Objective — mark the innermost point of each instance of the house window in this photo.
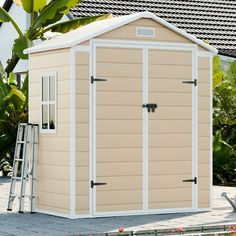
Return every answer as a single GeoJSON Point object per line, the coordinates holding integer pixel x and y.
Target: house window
{"type": "Point", "coordinates": [48, 103]}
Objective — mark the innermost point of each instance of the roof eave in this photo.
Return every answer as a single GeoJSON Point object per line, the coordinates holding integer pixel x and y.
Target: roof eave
{"type": "Point", "coordinates": [130, 19]}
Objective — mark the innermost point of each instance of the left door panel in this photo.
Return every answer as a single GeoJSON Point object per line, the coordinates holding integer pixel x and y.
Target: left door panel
{"type": "Point", "coordinates": [118, 130]}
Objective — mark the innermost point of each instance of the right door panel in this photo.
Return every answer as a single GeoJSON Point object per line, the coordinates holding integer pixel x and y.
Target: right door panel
{"type": "Point", "coordinates": [170, 130]}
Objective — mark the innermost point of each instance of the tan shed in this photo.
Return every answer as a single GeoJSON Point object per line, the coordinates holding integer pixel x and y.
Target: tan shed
{"type": "Point", "coordinates": [124, 107]}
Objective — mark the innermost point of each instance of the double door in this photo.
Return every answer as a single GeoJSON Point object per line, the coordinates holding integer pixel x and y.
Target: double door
{"type": "Point", "coordinates": [143, 130]}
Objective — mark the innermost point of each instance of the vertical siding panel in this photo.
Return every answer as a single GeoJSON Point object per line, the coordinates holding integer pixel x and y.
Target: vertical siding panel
{"type": "Point", "coordinates": [204, 132]}
{"type": "Point", "coordinates": [82, 141]}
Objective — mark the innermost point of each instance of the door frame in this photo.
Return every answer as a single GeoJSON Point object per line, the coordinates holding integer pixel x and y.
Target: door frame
{"type": "Point", "coordinates": [145, 46]}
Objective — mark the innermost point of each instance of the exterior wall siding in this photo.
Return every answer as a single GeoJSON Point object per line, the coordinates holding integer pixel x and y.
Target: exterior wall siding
{"type": "Point", "coordinates": [82, 129]}
{"type": "Point", "coordinates": [204, 132]}
{"type": "Point", "coordinates": [128, 32]}
{"type": "Point", "coordinates": [53, 173]}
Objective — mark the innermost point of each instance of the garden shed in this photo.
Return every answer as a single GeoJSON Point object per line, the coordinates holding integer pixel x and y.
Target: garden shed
{"type": "Point", "coordinates": [124, 107]}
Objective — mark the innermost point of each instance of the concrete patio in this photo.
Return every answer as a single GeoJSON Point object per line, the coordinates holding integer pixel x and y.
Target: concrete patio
{"type": "Point", "coordinates": [15, 224]}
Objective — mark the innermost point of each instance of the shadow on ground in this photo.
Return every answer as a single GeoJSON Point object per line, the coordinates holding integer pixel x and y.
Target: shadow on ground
{"type": "Point", "coordinates": [4, 180]}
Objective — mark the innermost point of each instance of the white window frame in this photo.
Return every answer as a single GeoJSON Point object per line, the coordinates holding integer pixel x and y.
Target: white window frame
{"type": "Point", "coordinates": [48, 74]}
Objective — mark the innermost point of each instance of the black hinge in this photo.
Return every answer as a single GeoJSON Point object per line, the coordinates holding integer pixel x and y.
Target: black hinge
{"type": "Point", "coordinates": [92, 184]}
{"type": "Point", "coordinates": [191, 82]}
{"type": "Point", "coordinates": [96, 79]}
{"type": "Point", "coordinates": [191, 180]}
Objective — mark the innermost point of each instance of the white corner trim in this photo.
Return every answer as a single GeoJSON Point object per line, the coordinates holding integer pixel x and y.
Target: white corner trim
{"type": "Point", "coordinates": [91, 61]}
{"type": "Point", "coordinates": [72, 132]}
{"type": "Point", "coordinates": [211, 132]}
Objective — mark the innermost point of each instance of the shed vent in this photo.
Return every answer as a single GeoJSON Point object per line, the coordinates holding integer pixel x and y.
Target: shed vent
{"type": "Point", "coordinates": [145, 32]}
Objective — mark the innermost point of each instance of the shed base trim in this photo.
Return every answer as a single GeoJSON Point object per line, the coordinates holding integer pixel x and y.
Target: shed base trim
{"type": "Point", "coordinates": [128, 213]}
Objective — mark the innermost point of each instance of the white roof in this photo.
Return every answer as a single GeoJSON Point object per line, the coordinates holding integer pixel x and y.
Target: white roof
{"type": "Point", "coordinates": [97, 28]}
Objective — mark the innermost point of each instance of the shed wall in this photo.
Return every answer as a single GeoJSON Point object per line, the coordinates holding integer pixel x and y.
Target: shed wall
{"type": "Point", "coordinates": [128, 32]}
{"type": "Point", "coordinates": [204, 131]}
{"type": "Point", "coordinates": [82, 129]}
{"type": "Point", "coordinates": [53, 173]}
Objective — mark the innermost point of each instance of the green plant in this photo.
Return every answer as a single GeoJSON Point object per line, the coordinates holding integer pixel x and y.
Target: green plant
{"type": "Point", "coordinates": [224, 141]}
{"type": "Point", "coordinates": [45, 16]}
{"type": "Point", "coordinates": [224, 161]}
{"type": "Point", "coordinates": [13, 110]}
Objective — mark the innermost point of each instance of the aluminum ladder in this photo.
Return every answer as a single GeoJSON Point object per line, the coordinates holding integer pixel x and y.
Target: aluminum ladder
{"type": "Point", "coordinates": [24, 166]}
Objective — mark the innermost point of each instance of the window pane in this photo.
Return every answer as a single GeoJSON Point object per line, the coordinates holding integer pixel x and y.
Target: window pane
{"type": "Point", "coordinates": [52, 88]}
{"type": "Point", "coordinates": [52, 116]}
{"type": "Point", "coordinates": [44, 116]}
{"type": "Point", "coordinates": [45, 88]}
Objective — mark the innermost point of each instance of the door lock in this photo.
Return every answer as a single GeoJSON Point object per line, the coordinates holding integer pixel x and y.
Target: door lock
{"type": "Point", "coordinates": [150, 106]}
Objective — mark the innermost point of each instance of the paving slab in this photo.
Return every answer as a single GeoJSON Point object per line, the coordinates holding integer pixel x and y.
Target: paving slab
{"type": "Point", "coordinates": [16, 224]}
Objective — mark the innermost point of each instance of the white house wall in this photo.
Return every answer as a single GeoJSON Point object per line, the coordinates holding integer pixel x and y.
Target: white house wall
{"type": "Point", "coordinates": [8, 35]}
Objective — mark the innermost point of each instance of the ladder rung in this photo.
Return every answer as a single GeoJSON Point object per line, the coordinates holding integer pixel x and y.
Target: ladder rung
{"type": "Point", "coordinates": [24, 178]}
{"type": "Point", "coordinates": [29, 196]}
{"type": "Point", "coordinates": [22, 142]}
{"type": "Point", "coordinates": [19, 196]}
{"type": "Point", "coordinates": [13, 177]}
{"type": "Point", "coordinates": [18, 159]}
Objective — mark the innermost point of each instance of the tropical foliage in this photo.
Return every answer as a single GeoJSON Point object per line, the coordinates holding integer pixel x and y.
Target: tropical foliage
{"type": "Point", "coordinates": [224, 141]}
{"type": "Point", "coordinates": [13, 110]}
{"type": "Point", "coordinates": [45, 17]}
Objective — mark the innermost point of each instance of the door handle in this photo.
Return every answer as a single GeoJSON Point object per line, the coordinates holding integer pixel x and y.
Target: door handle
{"type": "Point", "coordinates": [191, 180]}
{"type": "Point", "coordinates": [92, 184]}
{"type": "Point", "coordinates": [150, 106]}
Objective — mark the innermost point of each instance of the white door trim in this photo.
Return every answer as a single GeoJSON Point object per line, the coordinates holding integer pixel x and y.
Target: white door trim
{"type": "Point", "coordinates": [145, 46]}
{"type": "Point", "coordinates": [195, 126]}
{"type": "Point", "coordinates": [93, 129]}
{"type": "Point", "coordinates": [145, 130]}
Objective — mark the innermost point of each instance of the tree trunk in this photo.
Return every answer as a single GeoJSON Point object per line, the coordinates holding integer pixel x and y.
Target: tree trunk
{"type": "Point", "coordinates": [11, 64]}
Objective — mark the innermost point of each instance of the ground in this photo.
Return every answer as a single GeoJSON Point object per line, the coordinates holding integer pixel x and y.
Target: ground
{"type": "Point", "coordinates": [15, 224]}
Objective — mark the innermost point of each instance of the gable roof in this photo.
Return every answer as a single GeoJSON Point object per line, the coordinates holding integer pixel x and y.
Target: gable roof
{"type": "Point", "coordinates": [97, 28]}
{"type": "Point", "coordinates": [213, 21]}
